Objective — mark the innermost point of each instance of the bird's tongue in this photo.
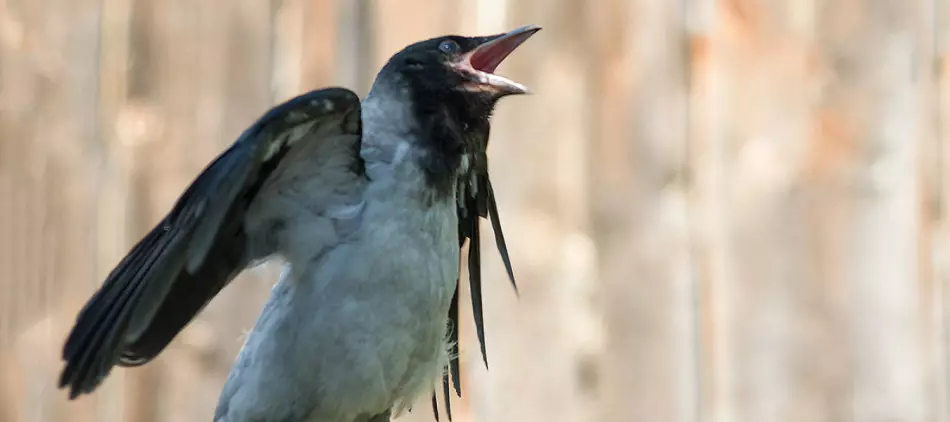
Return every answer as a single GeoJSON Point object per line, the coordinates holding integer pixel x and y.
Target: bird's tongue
{"type": "Point", "coordinates": [487, 57]}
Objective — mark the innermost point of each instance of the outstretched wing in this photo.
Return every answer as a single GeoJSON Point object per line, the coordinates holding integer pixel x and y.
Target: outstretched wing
{"type": "Point", "coordinates": [200, 245]}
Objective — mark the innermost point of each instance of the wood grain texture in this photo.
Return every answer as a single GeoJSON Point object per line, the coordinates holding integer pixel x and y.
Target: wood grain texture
{"type": "Point", "coordinates": [719, 211]}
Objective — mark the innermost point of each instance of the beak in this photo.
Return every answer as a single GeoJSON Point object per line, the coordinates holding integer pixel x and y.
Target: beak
{"type": "Point", "coordinates": [481, 62]}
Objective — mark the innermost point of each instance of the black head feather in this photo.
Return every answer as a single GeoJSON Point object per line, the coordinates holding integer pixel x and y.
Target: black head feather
{"type": "Point", "coordinates": [453, 92]}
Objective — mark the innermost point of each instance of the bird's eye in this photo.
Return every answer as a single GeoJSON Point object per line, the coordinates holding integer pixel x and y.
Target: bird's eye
{"type": "Point", "coordinates": [449, 46]}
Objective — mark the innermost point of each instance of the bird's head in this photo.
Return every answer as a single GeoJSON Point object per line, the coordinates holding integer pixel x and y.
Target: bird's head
{"type": "Point", "coordinates": [459, 64]}
{"type": "Point", "coordinates": [448, 87]}
{"type": "Point", "coordinates": [458, 72]}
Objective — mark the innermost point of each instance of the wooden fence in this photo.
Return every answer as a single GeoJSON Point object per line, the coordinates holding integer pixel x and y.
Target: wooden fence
{"type": "Point", "coordinates": [720, 211]}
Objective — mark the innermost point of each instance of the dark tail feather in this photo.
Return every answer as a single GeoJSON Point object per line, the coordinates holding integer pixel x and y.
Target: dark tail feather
{"type": "Point", "coordinates": [475, 283]}
{"type": "Point", "coordinates": [435, 406]}
{"type": "Point", "coordinates": [454, 340]}
{"type": "Point", "coordinates": [453, 368]}
{"type": "Point", "coordinates": [499, 236]}
{"type": "Point", "coordinates": [445, 392]}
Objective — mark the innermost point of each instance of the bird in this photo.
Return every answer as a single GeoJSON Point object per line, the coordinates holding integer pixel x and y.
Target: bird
{"type": "Point", "coordinates": [368, 203]}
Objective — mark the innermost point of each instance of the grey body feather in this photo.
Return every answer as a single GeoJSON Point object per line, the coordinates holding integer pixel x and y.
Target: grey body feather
{"type": "Point", "coordinates": [364, 296]}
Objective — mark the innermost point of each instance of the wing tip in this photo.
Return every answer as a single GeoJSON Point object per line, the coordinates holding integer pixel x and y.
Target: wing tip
{"type": "Point", "coordinates": [85, 369]}
{"type": "Point", "coordinates": [79, 380]}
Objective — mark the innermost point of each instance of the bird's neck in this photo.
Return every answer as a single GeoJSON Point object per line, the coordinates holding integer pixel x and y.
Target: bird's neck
{"type": "Point", "coordinates": [401, 141]}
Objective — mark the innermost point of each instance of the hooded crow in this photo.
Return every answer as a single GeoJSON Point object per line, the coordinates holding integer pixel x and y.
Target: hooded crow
{"type": "Point", "coordinates": [368, 203]}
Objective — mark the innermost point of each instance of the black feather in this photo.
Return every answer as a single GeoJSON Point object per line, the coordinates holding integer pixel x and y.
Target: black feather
{"type": "Point", "coordinates": [475, 284]}
{"type": "Point", "coordinates": [92, 350]}
{"type": "Point", "coordinates": [454, 340]}
{"type": "Point", "coordinates": [135, 289]}
{"type": "Point", "coordinates": [445, 392]}
{"type": "Point", "coordinates": [499, 236]}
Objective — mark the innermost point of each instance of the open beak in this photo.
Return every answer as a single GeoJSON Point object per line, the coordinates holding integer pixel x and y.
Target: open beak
{"type": "Point", "coordinates": [481, 62]}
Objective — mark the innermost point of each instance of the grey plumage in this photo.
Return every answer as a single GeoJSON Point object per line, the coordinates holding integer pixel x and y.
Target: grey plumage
{"type": "Point", "coordinates": [367, 204]}
{"type": "Point", "coordinates": [387, 280]}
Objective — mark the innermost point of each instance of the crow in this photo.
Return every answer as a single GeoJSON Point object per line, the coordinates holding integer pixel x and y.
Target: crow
{"type": "Point", "coordinates": [368, 203]}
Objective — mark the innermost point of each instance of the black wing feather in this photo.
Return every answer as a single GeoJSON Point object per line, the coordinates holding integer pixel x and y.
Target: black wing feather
{"type": "Point", "coordinates": [178, 267]}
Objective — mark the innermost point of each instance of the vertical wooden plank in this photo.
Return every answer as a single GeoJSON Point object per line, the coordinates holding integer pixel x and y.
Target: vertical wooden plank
{"type": "Point", "coordinates": [356, 34]}
{"type": "Point", "coordinates": [13, 125]}
{"type": "Point", "coordinates": [304, 48]}
{"type": "Point", "coordinates": [48, 76]}
{"type": "Point", "coordinates": [768, 310]}
{"type": "Point", "coordinates": [35, 55]}
{"type": "Point", "coordinates": [321, 44]}
{"type": "Point", "coordinates": [941, 251]}
{"type": "Point", "coordinates": [931, 312]}
{"type": "Point", "coordinates": [288, 45]}
{"type": "Point", "coordinates": [712, 280]}
{"type": "Point", "coordinates": [395, 27]}
{"type": "Point", "coordinates": [865, 162]}
{"type": "Point", "coordinates": [639, 188]}
{"type": "Point", "coordinates": [613, 69]}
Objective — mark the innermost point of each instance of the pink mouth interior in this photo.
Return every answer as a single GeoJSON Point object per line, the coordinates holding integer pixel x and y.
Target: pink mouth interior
{"type": "Point", "coordinates": [487, 57]}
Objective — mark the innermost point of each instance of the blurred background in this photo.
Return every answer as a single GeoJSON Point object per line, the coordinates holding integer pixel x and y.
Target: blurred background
{"type": "Point", "coordinates": [729, 210]}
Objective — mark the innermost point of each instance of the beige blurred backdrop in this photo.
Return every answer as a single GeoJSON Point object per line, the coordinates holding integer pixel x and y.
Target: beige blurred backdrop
{"type": "Point", "coordinates": [721, 211]}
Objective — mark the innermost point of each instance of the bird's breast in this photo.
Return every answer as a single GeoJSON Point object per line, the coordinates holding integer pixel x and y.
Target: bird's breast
{"type": "Point", "coordinates": [358, 326]}
{"type": "Point", "coordinates": [415, 251]}
{"type": "Point", "coordinates": [415, 265]}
